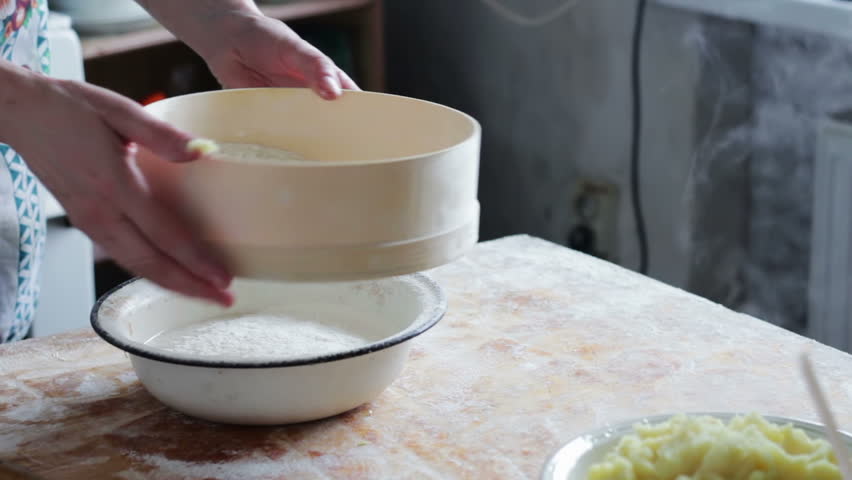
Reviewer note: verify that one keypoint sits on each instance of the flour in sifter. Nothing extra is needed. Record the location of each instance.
(252, 153)
(259, 336)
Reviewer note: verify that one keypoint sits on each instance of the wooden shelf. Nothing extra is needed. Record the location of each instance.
(106, 45)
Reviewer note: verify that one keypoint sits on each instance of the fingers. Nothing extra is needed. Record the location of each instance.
(328, 87)
(107, 197)
(320, 73)
(132, 122)
(325, 78)
(164, 229)
(123, 241)
(346, 82)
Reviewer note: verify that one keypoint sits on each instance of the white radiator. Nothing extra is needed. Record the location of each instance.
(830, 285)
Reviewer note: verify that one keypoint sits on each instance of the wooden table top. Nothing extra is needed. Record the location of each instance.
(540, 344)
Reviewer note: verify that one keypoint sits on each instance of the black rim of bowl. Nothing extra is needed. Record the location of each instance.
(435, 315)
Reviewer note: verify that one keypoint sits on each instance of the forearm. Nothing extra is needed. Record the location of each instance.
(200, 23)
(18, 86)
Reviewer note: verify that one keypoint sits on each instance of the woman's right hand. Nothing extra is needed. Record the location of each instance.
(80, 140)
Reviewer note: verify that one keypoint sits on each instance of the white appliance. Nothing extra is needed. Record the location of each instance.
(67, 273)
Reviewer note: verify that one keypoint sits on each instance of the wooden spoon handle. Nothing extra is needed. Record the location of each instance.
(824, 409)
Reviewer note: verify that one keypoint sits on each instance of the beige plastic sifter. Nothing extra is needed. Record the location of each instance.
(390, 188)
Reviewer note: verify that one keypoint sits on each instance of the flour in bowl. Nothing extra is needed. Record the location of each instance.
(252, 153)
(261, 336)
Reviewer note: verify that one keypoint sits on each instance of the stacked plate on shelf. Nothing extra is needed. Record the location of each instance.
(99, 17)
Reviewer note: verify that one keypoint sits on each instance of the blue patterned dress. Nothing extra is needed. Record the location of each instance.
(23, 42)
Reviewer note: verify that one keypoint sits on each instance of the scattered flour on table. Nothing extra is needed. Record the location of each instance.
(246, 469)
(94, 385)
(252, 153)
(261, 336)
(128, 377)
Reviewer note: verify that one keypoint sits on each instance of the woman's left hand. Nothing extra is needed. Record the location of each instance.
(264, 52)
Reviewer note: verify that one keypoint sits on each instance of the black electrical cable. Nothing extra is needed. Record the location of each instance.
(636, 147)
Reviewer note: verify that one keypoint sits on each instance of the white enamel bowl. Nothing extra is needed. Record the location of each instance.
(572, 461)
(389, 313)
(391, 187)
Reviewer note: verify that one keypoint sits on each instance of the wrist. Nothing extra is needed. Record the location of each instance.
(218, 32)
(206, 26)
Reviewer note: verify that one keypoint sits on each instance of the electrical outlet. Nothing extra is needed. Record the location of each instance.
(594, 219)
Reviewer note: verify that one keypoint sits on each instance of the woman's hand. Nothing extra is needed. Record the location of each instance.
(244, 48)
(263, 52)
(80, 140)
